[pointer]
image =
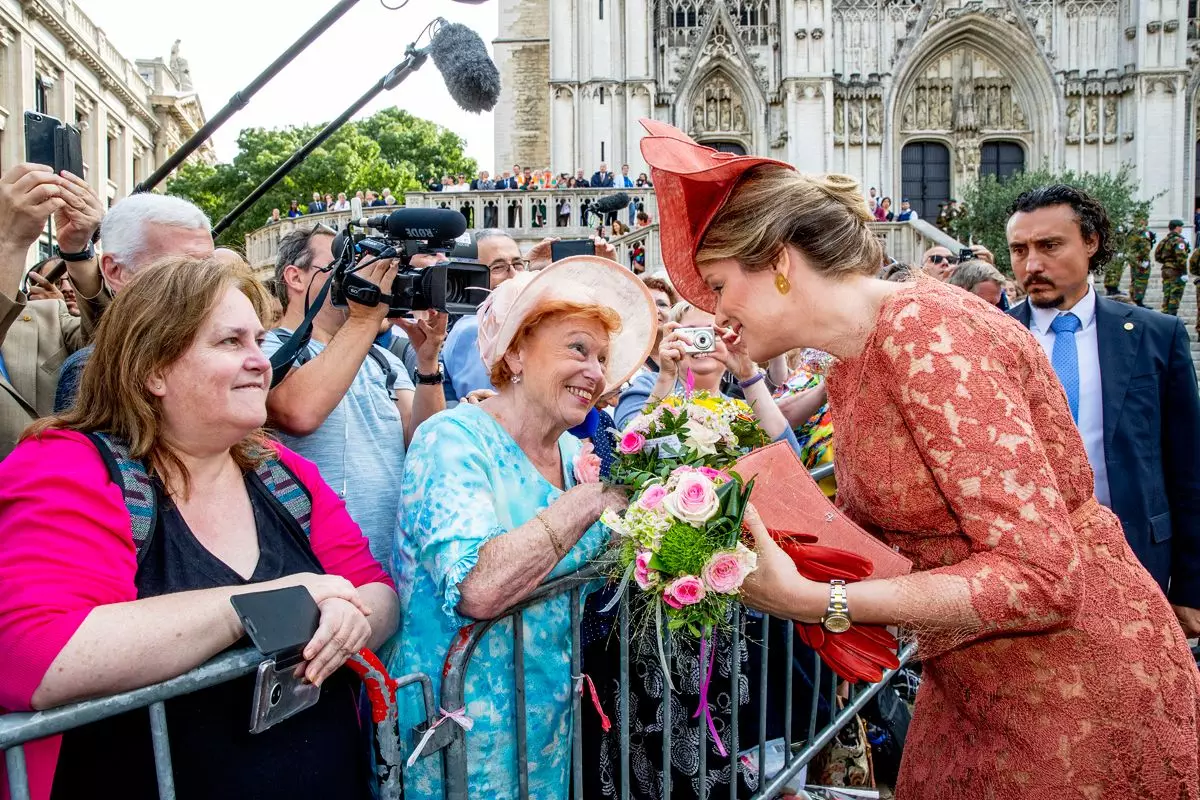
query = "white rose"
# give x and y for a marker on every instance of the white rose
(701, 439)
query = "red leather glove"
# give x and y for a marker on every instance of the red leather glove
(861, 653)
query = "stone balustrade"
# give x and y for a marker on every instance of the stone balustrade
(527, 217)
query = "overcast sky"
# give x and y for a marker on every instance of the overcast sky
(228, 42)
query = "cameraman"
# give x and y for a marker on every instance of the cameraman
(348, 404)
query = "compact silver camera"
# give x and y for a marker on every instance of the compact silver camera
(704, 340)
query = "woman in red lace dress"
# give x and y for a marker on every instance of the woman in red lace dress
(1053, 664)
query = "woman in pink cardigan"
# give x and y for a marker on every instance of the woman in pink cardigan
(178, 375)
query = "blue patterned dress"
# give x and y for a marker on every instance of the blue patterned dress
(465, 482)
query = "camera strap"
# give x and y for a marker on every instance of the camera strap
(285, 356)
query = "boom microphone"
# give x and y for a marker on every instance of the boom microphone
(434, 224)
(610, 203)
(470, 74)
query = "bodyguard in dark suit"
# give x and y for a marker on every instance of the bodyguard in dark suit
(1129, 380)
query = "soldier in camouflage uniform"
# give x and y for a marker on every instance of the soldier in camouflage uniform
(1137, 244)
(1172, 253)
(1194, 271)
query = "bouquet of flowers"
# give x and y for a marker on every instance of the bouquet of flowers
(680, 542)
(693, 429)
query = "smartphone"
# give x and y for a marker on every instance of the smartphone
(280, 693)
(40, 138)
(966, 254)
(565, 248)
(68, 150)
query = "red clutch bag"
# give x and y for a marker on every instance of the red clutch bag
(788, 499)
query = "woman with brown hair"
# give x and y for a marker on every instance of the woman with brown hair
(93, 604)
(1054, 666)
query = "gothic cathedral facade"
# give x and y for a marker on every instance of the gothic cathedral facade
(915, 97)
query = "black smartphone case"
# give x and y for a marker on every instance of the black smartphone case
(279, 621)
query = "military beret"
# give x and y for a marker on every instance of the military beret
(1175, 223)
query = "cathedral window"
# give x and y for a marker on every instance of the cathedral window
(601, 9)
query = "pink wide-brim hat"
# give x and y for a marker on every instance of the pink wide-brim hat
(691, 182)
(587, 280)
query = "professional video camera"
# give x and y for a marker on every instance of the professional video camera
(456, 286)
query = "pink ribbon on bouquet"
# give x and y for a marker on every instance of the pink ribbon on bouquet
(459, 717)
(705, 680)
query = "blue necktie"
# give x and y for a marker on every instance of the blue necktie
(1065, 358)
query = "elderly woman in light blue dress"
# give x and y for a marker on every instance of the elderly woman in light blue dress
(497, 499)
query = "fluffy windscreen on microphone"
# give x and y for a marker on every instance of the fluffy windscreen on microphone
(470, 75)
(610, 203)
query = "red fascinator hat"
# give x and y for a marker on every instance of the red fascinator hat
(692, 182)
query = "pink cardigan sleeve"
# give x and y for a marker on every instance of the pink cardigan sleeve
(336, 539)
(65, 548)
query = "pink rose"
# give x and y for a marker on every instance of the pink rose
(587, 465)
(685, 591)
(646, 578)
(724, 573)
(694, 499)
(632, 442)
(713, 475)
(652, 496)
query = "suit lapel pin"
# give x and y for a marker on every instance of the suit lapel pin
(1128, 326)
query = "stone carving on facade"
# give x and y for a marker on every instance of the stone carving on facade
(45, 69)
(874, 121)
(1110, 120)
(718, 107)
(1091, 119)
(839, 120)
(967, 151)
(179, 65)
(855, 121)
(964, 101)
(7, 36)
(1073, 121)
(946, 10)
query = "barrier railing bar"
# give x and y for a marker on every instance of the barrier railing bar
(162, 751)
(735, 695)
(22, 727)
(787, 697)
(822, 472)
(762, 694)
(18, 777)
(816, 696)
(578, 689)
(623, 711)
(816, 743)
(519, 702)
(667, 714)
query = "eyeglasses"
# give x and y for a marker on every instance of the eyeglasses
(516, 265)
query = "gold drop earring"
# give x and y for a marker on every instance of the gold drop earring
(782, 284)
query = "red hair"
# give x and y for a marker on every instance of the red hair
(553, 310)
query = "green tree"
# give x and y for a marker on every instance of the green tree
(987, 201)
(381, 151)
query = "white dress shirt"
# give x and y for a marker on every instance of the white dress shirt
(1091, 400)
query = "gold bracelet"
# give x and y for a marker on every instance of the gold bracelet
(558, 550)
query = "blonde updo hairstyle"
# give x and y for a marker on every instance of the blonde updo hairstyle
(823, 216)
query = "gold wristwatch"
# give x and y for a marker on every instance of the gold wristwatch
(837, 613)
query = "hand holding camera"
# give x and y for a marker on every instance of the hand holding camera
(381, 273)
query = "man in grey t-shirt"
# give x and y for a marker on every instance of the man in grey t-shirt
(347, 404)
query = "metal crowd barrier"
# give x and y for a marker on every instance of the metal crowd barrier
(17, 729)
(452, 739)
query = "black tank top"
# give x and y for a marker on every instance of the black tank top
(319, 753)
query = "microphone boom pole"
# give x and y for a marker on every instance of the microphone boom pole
(240, 99)
(413, 61)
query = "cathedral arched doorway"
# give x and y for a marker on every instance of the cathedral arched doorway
(925, 176)
(728, 147)
(1001, 159)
